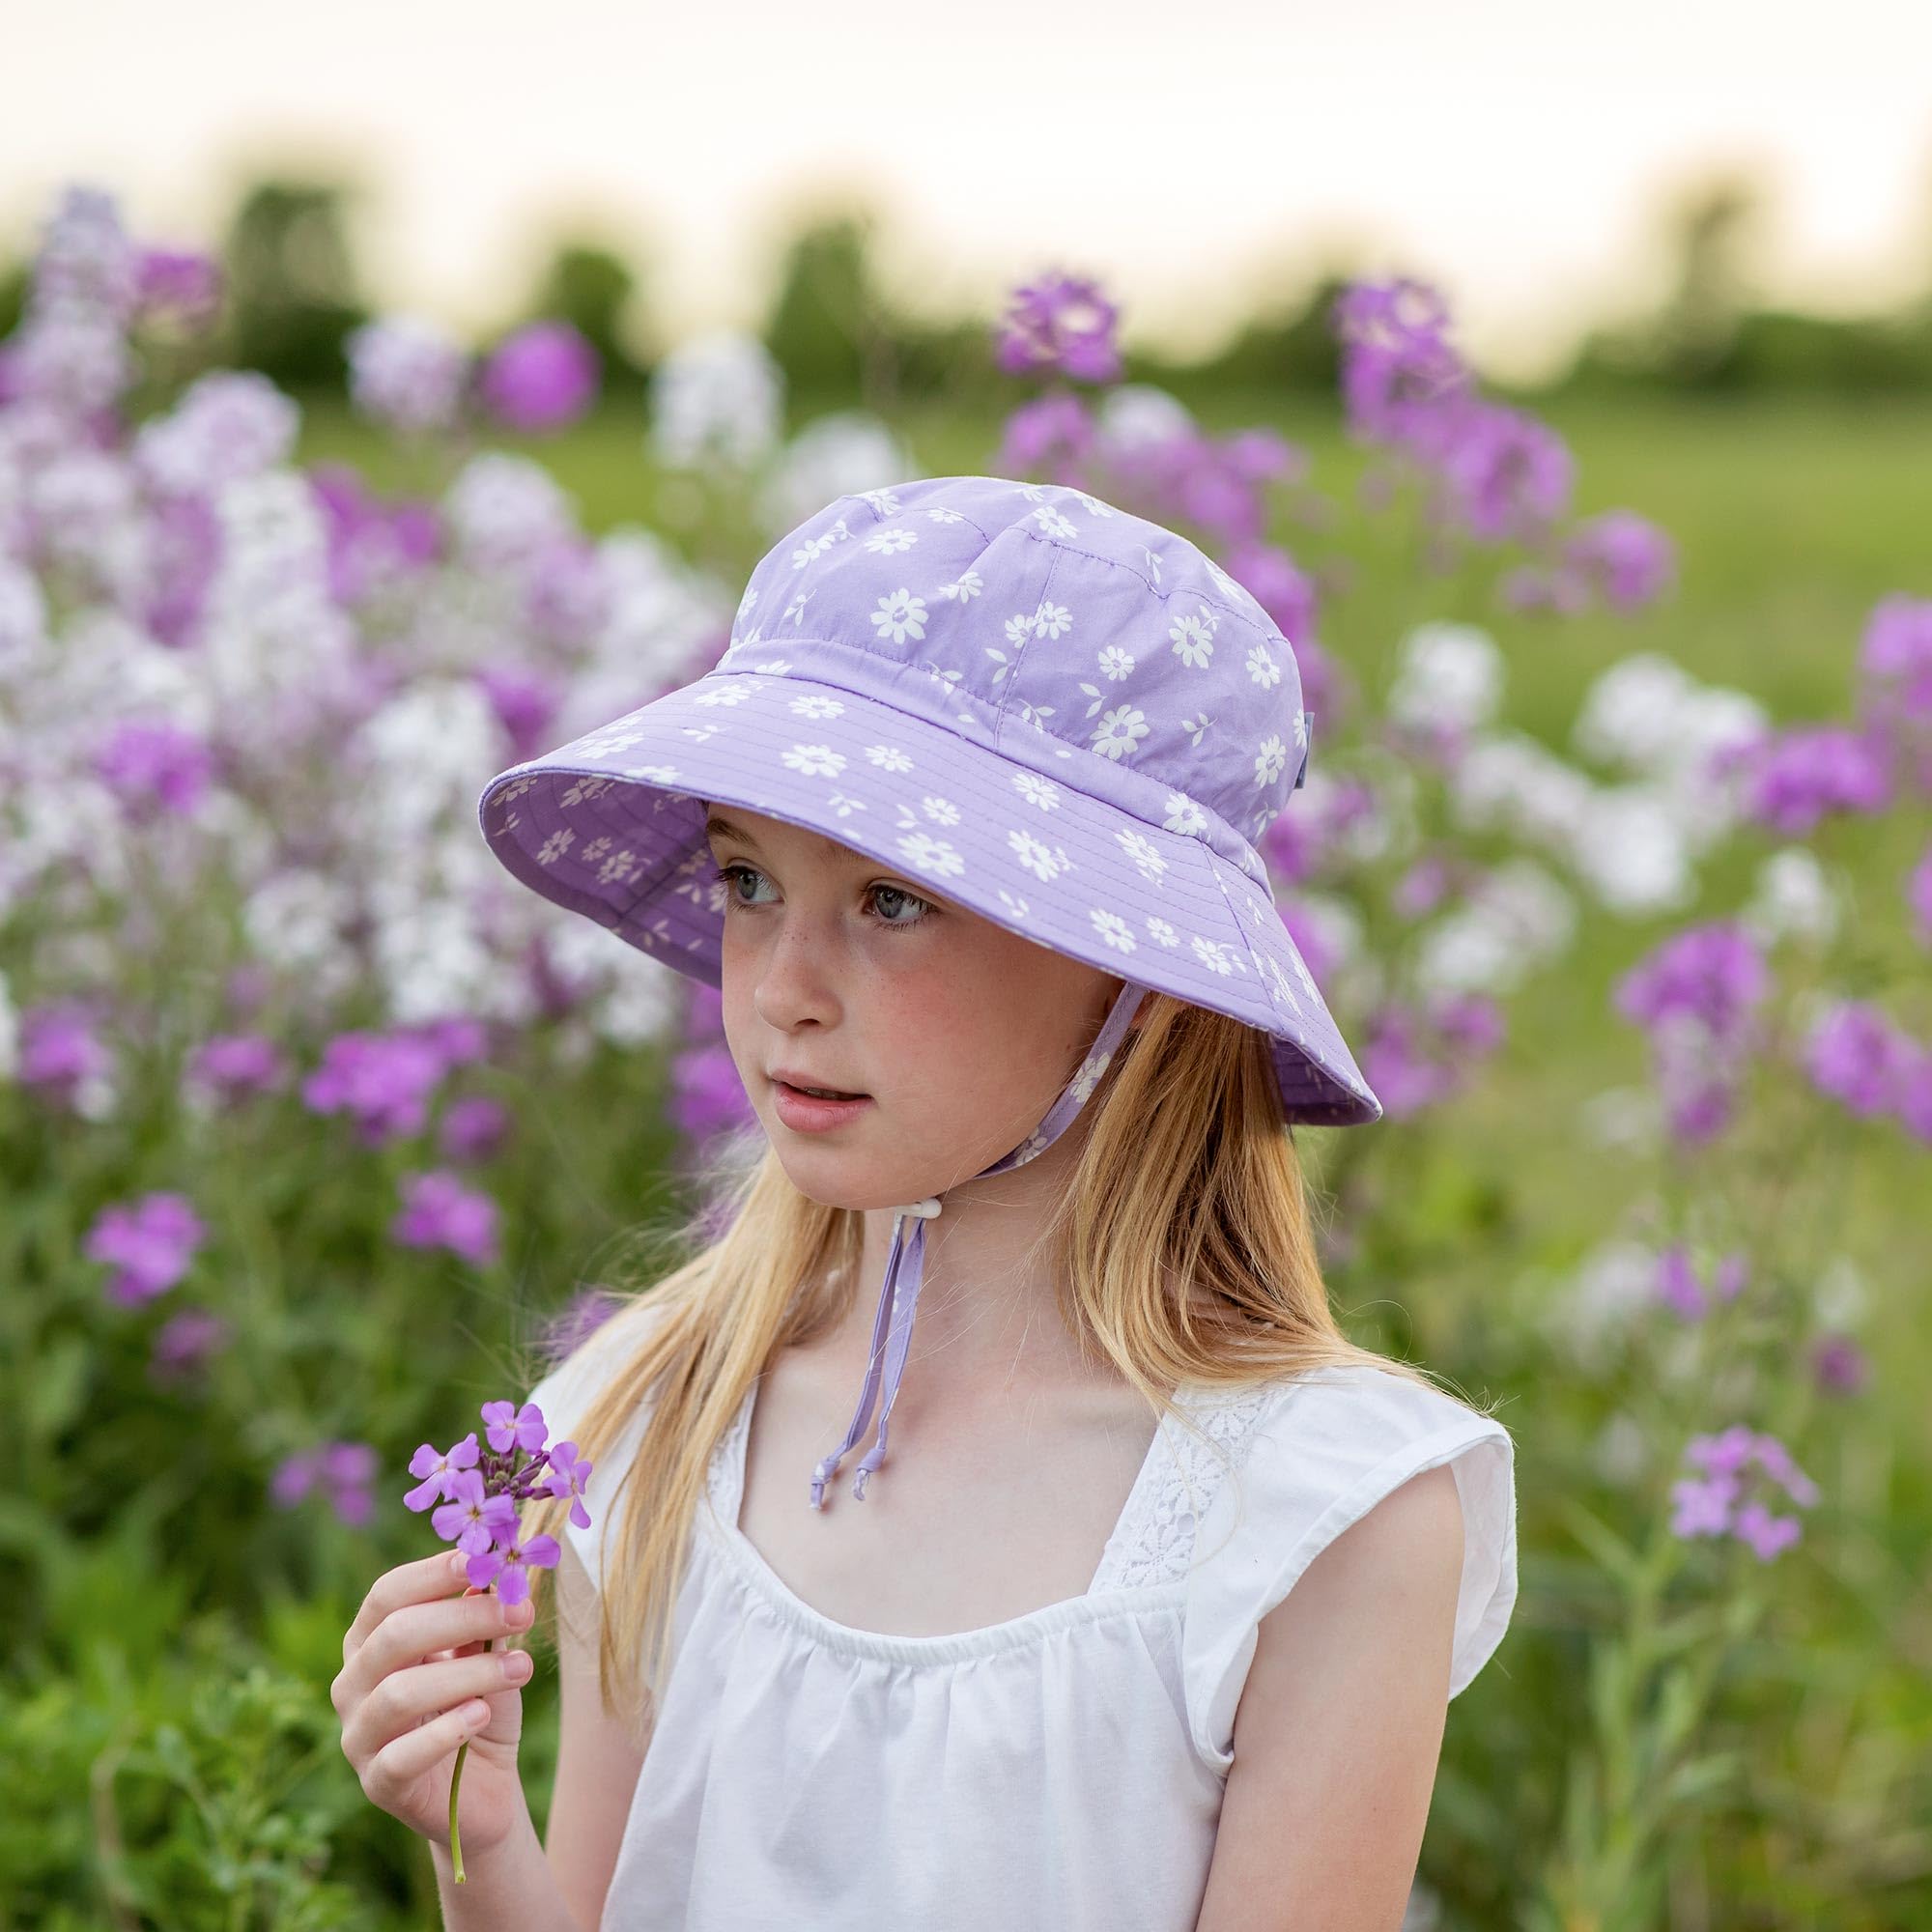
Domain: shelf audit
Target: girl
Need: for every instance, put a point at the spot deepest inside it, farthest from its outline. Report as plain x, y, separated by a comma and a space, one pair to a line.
1150, 1617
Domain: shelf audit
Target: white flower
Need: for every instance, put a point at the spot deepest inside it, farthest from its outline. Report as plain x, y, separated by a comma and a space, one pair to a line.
556, 846
1183, 814
1511, 780
1516, 919
1015, 905
1145, 854
1793, 899
817, 761
1161, 931
1053, 522
1115, 662
1221, 957
1051, 620
656, 774
1632, 854
941, 810
1261, 667
932, 855
889, 757
815, 705
1447, 674
1036, 790
734, 691
1270, 759
1045, 863
888, 543
1114, 735
966, 585
900, 615
1193, 639
1111, 927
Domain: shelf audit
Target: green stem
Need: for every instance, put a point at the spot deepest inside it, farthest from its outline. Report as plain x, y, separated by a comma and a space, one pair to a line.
455, 1837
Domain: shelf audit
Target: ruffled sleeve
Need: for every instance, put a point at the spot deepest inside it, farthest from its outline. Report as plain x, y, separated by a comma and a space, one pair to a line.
1331, 1446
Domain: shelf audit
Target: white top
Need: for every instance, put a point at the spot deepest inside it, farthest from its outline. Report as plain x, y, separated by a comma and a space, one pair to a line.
1064, 1769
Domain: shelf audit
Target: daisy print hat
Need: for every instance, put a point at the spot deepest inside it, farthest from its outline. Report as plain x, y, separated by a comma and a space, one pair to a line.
1065, 718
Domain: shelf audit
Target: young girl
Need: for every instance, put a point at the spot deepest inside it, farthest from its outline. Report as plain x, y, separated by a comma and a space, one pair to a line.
1150, 1617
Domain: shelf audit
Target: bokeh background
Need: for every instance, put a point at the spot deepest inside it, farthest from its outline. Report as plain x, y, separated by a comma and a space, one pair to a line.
386, 402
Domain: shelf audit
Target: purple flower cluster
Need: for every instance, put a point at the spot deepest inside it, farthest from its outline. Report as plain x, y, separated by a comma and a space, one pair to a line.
62, 1054
149, 1245
1680, 1286
1715, 1503
1895, 663
541, 379
1792, 780
1855, 1054
343, 1471
1697, 994
439, 1212
475, 1494
385, 1080
1417, 1054
1061, 323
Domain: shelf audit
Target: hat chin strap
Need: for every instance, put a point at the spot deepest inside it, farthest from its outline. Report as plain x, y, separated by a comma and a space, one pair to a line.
905, 1262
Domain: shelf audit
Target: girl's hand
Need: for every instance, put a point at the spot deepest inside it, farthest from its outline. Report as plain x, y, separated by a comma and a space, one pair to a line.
414, 1663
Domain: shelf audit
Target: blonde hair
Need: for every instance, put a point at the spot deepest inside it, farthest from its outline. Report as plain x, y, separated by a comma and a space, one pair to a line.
1182, 1253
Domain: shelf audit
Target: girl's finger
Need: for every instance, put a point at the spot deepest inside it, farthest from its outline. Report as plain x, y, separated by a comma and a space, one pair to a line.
405, 1758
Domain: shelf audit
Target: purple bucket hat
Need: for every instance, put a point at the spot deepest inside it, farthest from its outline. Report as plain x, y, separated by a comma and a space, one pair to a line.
1067, 718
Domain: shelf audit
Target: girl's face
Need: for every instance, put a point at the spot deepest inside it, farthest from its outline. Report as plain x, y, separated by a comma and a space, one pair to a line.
851, 974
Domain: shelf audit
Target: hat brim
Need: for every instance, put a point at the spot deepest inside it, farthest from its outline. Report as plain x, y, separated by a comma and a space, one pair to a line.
611, 825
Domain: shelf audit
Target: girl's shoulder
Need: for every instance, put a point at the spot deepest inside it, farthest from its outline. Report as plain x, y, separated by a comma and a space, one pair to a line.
1313, 1453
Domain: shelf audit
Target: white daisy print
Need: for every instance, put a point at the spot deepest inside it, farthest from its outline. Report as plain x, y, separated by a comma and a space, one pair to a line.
619, 868
745, 604
1261, 667
656, 774
815, 705
607, 739
888, 543
1045, 863
584, 788
556, 846
1094, 503
813, 548
1036, 790
1015, 904
1162, 931
941, 515
1270, 759
1183, 817
941, 810
967, 585
900, 615
1084, 1082
1113, 928
1145, 854
884, 499
889, 757
815, 761
1300, 729
932, 855
777, 667
845, 804
1194, 640
1284, 992
1115, 662
1019, 627
732, 690
1221, 958
1050, 620
1301, 970
1118, 729
1053, 522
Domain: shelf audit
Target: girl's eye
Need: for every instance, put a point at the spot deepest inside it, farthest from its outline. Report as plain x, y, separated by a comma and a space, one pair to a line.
895, 894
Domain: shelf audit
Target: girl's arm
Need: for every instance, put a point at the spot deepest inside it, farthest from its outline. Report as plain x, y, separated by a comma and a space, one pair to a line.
1340, 1727
523, 1886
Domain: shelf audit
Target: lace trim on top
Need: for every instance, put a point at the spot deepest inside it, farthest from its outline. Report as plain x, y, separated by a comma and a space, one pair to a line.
1152, 1543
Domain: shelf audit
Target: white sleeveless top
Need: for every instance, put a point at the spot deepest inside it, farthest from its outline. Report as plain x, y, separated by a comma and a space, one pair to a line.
1064, 1769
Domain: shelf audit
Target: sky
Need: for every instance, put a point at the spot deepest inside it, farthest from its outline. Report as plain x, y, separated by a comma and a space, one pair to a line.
1192, 155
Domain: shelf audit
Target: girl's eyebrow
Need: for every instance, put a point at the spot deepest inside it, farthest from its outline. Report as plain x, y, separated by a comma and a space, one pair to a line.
715, 827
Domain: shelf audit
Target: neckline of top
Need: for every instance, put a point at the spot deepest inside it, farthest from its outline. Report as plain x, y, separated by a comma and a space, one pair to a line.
724, 1500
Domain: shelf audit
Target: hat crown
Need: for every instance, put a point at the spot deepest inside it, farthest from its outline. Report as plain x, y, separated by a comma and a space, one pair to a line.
1041, 608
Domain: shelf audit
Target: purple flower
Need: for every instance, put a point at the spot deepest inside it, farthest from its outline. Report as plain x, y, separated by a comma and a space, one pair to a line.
506, 1566
440, 1211
542, 377
525, 703
182, 1344
1856, 1055
1680, 1287
1061, 323
707, 1096
1509, 474
474, 1515
150, 1244
60, 1051
1053, 434
228, 1068
1402, 382
1895, 657
1716, 1503
384, 1080
184, 284
1839, 1364
505, 1425
438, 1469
343, 1470
1626, 556
1713, 975
474, 1128
1795, 778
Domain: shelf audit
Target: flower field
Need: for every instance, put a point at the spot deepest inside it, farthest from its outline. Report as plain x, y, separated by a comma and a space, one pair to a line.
316, 1129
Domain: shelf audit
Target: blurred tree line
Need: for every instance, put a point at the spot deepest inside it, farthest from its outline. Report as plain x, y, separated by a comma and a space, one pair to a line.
295, 291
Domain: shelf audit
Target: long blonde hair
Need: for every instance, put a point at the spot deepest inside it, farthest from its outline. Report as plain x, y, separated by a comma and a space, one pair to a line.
1182, 1253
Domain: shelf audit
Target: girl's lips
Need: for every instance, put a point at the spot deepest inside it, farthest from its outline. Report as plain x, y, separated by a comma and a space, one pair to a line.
806, 1115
